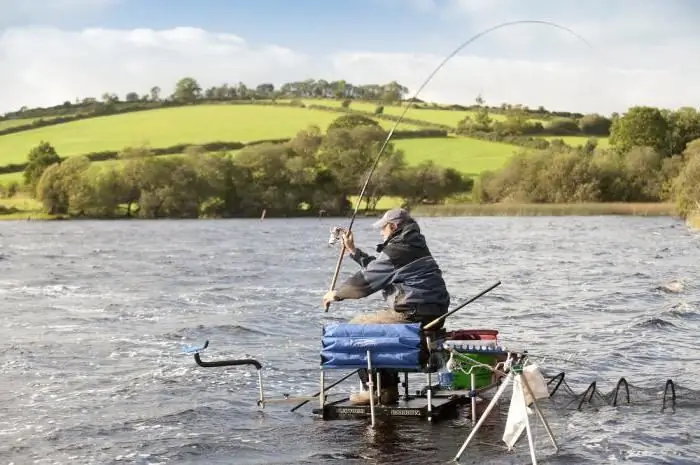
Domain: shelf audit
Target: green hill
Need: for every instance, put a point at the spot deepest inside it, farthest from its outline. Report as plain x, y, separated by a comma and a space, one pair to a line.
165, 127
654, 149
11, 123
441, 115
198, 124
465, 154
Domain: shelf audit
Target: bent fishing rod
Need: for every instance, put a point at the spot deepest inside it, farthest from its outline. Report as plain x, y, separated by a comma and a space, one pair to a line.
407, 106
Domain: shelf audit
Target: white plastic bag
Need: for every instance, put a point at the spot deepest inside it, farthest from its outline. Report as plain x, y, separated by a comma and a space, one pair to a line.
517, 412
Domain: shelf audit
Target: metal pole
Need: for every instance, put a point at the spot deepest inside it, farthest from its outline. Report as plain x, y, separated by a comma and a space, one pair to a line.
325, 390
438, 319
528, 429
371, 387
260, 387
490, 407
473, 396
540, 414
322, 395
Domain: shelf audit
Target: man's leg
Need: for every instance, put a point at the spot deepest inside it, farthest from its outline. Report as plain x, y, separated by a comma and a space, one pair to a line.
389, 379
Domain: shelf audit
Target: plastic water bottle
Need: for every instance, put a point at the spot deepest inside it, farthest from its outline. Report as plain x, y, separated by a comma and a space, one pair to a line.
446, 375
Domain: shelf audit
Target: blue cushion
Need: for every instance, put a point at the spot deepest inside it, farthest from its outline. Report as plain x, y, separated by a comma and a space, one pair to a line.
345, 345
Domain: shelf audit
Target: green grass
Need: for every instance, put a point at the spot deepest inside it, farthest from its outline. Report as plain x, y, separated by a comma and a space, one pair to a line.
11, 177
471, 156
27, 207
431, 115
10, 123
169, 126
603, 142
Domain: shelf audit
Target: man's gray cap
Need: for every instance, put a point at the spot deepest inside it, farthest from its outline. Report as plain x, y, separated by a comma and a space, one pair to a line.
395, 215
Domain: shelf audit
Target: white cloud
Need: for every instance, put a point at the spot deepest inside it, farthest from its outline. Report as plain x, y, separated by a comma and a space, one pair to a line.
49, 66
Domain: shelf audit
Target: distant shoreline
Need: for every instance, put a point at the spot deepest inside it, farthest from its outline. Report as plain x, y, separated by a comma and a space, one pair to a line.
451, 210
550, 209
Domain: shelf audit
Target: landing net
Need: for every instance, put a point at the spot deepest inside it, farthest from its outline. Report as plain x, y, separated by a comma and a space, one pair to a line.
667, 395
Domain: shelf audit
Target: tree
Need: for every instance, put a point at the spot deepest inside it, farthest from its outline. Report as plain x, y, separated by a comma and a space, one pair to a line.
640, 127
387, 177
430, 183
563, 126
40, 158
686, 188
64, 188
595, 125
155, 94
684, 126
351, 121
187, 89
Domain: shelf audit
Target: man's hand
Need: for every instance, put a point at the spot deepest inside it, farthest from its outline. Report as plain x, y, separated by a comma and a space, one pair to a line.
328, 298
349, 241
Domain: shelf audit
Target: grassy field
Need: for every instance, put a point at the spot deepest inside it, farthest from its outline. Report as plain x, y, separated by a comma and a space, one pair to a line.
431, 115
11, 177
10, 123
209, 123
169, 126
471, 156
26, 208
603, 142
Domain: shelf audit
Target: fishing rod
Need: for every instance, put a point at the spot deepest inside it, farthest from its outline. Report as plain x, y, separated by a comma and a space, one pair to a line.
460, 307
407, 106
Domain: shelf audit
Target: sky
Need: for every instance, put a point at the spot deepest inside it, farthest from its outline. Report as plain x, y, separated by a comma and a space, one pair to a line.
599, 56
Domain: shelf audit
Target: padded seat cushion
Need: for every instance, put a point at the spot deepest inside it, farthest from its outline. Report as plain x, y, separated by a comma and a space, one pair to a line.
396, 346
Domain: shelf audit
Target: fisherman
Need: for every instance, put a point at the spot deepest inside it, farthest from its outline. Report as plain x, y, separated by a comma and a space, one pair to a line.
409, 278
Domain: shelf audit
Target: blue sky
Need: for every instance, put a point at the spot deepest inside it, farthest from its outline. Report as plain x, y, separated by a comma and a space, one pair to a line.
63, 49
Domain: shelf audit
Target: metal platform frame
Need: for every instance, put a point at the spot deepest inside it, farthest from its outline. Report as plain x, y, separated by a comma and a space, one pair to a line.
431, 403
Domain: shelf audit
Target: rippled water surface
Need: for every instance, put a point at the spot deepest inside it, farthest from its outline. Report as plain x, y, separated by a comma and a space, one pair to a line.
94, 316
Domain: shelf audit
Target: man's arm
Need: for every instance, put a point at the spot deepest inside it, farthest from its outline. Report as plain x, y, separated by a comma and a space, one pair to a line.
361, 258
374, 277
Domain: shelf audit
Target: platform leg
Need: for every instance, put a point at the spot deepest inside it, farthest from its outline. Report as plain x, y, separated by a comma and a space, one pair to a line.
528, 429
322, 394
405, 386
473, 396
490, 407
526, 385
371, 386
430, 397
260, 387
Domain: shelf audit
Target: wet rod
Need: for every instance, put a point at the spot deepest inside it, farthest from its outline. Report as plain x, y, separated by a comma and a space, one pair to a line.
407, 106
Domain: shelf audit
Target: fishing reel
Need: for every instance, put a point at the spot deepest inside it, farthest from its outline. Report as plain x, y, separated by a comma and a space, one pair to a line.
336, 235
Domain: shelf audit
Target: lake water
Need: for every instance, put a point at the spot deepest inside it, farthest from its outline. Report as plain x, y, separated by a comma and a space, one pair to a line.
95, 314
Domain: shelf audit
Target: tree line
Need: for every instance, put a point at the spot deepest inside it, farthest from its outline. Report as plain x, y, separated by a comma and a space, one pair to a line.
654, 156
311, 174
315, 173
188, 90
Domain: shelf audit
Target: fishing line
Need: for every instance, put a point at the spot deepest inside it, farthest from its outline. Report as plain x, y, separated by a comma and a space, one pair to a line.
407, 106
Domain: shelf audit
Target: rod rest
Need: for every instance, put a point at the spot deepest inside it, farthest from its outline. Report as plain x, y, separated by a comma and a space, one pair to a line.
226, 363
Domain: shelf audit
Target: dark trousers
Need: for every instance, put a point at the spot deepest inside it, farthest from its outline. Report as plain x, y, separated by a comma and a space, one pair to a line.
389, 378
